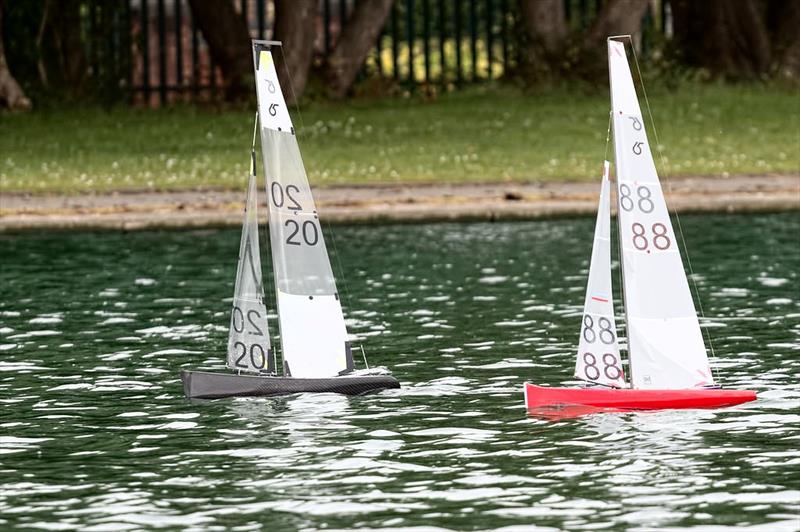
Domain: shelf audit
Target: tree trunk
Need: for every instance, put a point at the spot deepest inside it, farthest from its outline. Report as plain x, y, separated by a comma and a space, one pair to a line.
228, 40
545, 23
783, 25
62, 60
543, 47
295, 28
551, 53
358, 38
10, 91
618, 17
727, 38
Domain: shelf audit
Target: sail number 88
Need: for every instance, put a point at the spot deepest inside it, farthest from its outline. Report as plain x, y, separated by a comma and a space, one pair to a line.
605, 333
611, 367
660, 238
643, 202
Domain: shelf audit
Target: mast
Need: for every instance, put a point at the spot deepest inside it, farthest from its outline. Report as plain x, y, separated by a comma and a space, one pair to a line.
664, 339
622, 289
313, 332
619, 226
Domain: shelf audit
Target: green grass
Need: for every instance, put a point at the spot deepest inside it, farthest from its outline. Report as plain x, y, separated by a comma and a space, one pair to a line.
477, 135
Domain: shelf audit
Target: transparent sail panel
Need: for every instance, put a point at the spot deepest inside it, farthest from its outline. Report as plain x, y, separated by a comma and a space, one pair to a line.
666, 348
299, 254
248, 339
598, 349
313, 332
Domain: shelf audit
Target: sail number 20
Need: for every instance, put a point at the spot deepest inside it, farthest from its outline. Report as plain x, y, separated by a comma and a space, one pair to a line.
288, 197
299, 233
239, 324
305, 233
258, 356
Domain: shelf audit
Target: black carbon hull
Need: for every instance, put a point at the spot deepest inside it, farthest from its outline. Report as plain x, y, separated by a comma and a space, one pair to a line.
208, 385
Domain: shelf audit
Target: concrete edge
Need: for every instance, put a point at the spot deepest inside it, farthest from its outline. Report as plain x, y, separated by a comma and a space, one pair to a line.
385, 214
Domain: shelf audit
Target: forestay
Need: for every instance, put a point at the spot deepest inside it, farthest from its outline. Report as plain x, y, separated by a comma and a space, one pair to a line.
666, 348
248, 339
313, 333
598, 350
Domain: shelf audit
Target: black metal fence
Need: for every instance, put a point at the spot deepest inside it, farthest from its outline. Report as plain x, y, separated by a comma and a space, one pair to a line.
452, 42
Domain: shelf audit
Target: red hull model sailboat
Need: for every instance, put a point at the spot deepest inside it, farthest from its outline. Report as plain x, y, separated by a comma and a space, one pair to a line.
666, 354
616, 399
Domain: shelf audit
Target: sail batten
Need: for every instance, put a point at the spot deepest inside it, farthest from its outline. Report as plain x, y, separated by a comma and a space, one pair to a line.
311, 321
598, 359
666, 348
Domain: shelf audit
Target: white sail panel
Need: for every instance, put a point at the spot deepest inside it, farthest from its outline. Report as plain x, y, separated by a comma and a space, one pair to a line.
666, 348
273, 114
313, 332
598, 349
248, 338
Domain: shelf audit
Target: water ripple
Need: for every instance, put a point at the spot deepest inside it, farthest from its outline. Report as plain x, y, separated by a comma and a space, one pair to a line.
95, 433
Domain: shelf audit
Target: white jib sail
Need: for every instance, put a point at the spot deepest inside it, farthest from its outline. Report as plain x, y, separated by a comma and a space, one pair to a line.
598, 350
665, 345
312, 328
248, 339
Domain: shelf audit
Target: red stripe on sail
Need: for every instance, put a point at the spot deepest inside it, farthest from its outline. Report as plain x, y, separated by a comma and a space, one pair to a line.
600, 299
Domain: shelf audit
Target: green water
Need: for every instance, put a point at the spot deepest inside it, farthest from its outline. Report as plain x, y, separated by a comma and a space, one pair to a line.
95, 433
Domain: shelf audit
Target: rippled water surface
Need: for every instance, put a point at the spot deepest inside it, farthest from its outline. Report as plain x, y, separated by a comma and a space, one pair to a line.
95, 432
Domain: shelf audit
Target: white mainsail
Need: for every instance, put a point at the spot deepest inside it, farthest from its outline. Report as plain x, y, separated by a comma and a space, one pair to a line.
312, 329
665, 345
248, 339
598, 350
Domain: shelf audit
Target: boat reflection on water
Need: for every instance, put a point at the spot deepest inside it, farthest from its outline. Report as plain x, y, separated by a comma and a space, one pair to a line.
564, 412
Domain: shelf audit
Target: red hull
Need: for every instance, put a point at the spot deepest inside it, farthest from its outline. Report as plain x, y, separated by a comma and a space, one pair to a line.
627, 399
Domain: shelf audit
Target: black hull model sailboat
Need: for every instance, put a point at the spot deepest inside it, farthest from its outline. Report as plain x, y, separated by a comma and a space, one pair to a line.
208, 385
315, 351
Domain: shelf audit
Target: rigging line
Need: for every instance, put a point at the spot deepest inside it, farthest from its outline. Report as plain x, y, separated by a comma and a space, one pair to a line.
327, 224
255, 132
674, 211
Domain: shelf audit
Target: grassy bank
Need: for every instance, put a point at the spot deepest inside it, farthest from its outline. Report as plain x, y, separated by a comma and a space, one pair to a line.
475, 135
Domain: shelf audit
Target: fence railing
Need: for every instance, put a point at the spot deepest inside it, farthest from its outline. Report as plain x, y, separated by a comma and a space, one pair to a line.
450, 42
